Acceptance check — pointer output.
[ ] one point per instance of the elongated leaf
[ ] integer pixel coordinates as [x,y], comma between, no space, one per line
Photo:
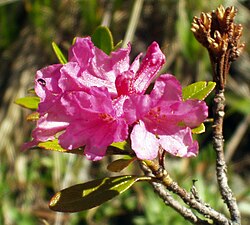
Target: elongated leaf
[118,45]
[59,53]
[119,164]
[200,129]
[29,102]
[74,40]
[55,146]
[91,194]
[103,39]
[199,90]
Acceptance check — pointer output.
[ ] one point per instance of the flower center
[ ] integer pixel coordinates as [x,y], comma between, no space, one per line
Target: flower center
[106,117]
[156,115]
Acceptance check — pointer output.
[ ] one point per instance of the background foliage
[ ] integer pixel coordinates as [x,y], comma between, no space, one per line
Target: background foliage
[28,180]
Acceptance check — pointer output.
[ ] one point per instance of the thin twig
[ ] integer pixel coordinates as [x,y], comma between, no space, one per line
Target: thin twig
[160,189]
[188,198]
[174,204]
[217,32]
[218,144]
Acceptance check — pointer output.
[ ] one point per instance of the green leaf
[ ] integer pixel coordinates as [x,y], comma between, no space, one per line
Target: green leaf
[55,146]
[199,90]
[119,164]
[91,194]
[120,145]
[118,45]
[33,116]
[31,91]
[29,102]
[103,39]
[74,40]
[59,53]
[200,129]
[52,145]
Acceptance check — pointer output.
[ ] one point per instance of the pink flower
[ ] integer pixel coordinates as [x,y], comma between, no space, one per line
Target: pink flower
[82,118]
[92,67]
[77,100]
[94,122]
[139,76]
[164,120]
[96,99]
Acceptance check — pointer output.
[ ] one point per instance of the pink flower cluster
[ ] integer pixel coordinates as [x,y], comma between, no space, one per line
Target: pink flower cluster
[96,99]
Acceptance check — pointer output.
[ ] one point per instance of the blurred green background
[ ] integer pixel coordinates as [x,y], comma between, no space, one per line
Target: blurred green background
[29,179]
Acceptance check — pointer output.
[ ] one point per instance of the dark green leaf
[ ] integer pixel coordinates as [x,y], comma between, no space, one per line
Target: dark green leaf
[119,164]
[103,39]
[91,194]
[29,102]
[59,53]
[199,90]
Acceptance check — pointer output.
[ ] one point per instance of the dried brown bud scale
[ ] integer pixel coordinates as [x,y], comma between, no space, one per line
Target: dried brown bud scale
[217,32]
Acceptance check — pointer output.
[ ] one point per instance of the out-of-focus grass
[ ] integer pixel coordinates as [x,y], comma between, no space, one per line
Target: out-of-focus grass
[29,179]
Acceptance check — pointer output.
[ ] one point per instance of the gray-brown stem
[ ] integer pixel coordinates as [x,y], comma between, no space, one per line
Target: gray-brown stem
[221,167]
[161,175]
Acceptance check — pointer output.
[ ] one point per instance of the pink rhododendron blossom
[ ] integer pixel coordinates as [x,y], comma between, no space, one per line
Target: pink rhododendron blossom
[138,77]
[62,87]
[164,114]
[84,118]
[96,99]
[96,68]
[93,122]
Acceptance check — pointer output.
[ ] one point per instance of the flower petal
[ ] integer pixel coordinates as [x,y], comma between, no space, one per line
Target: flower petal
[95,134]
[124,83]
[82,52]
[47,129]
[191,112]
[96,67]
[136,64]
[46,82]
[95,153]
[166,89]
[150,66]
[144,143]
[135,107]
[93,122]
[71,77]
[120,59]
[180,143]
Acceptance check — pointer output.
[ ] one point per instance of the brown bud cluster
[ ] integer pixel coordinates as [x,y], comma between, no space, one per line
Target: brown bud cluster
[218,33]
